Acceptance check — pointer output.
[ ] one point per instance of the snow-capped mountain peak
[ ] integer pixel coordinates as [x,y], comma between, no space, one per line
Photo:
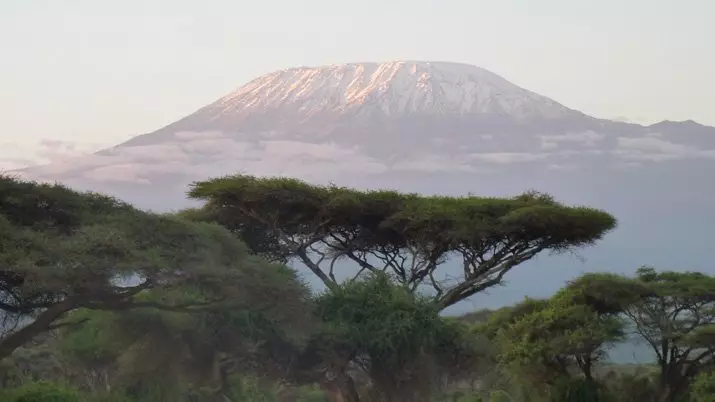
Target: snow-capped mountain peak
[395,88]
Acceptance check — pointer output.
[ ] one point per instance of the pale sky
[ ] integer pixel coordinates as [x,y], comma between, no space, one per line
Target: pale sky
[97,72]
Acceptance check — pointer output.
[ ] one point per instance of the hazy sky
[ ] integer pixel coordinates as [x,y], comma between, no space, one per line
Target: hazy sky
[98,72]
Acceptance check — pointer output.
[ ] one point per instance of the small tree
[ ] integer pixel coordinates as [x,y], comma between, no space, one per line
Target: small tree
[407,235]
[395,336]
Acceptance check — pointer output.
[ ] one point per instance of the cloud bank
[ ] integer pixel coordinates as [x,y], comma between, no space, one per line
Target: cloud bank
[199,155]
[21,154]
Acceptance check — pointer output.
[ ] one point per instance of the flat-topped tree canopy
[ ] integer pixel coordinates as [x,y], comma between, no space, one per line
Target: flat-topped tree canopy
[61,250]
[409,235]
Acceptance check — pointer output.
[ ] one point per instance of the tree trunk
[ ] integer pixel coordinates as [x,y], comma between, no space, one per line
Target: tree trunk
[41,324]
[673,383]
[672,391]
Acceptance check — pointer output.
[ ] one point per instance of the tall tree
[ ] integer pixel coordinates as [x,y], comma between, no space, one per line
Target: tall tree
[61,250]
[407,235]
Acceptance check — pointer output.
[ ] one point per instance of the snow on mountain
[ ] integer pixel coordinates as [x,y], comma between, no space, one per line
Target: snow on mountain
[356,104]
[393,88]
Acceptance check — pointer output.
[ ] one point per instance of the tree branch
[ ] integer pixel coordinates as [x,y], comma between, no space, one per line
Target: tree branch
[472,286]
[41,324]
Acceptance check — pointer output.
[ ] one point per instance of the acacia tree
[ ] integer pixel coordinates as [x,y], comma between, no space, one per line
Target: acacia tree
[672,312]
[407,235]
[62,250]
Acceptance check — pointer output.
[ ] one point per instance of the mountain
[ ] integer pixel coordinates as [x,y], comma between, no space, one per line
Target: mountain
[435,127]
[397,117]
[330,96]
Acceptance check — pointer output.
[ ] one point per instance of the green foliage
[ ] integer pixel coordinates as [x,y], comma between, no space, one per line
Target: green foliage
[703,389]
[174,349]
[386,321]
[500,396]
[31,363]
[43,391]
[397,334]
[115,396]
[576,390]
[255,236]
[63,250]
[407,234]
[209,318]
[94,343]
[671,312]
[198,296]
[605,293]
[544,343]
[631,384]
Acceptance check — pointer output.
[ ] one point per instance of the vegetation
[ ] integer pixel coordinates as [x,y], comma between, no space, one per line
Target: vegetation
[102,302]
[407,235]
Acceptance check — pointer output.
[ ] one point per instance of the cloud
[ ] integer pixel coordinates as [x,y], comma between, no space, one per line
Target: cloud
[21,153]
[504,158]
[191,135]
[12,163]
[56,150]
[117,173]
[565,167]
[584,138]
[657,150]
[549,146]
[195,157]
[436,163]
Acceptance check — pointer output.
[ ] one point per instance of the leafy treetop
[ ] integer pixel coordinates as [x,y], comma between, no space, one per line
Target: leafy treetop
[408,235]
